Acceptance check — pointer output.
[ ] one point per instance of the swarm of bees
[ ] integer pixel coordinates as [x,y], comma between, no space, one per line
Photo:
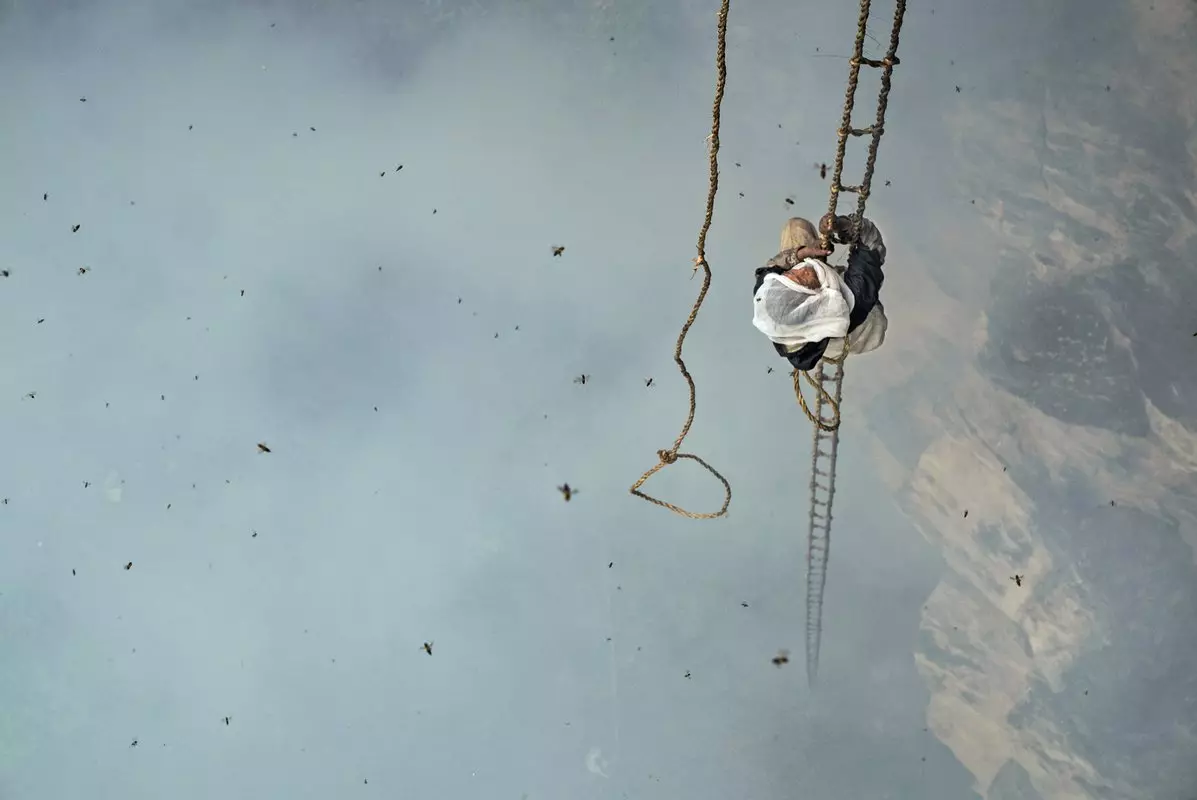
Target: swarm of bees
[566,491]
[262,448]
[557,249]
[782,658]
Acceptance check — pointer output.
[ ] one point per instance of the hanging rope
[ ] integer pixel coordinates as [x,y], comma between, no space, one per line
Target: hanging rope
[671,455]
[875,131]
[822,422]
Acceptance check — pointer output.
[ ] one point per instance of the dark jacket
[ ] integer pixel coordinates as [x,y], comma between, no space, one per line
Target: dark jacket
[863,276]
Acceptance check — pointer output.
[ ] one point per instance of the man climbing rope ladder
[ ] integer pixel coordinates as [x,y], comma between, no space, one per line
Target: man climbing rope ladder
[806,307]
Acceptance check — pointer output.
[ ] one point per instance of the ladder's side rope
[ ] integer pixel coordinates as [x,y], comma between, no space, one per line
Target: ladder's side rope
[819,533]
[874,131]
[672,455]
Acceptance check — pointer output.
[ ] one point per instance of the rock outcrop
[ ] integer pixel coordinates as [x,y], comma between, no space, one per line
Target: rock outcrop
[1071,438]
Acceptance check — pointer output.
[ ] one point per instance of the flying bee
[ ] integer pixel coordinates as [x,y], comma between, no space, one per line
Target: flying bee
[262,448]
[84,270]
[129,565]
[75,228]
[558,249]
[566,491]
[822,168]
[427,648]
[648,382]
[1017,579]
[782,657]
[581,379]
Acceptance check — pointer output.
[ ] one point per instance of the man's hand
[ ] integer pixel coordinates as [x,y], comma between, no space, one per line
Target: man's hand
[837,228]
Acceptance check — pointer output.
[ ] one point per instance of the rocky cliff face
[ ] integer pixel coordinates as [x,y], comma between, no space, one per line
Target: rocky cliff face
[1067,451]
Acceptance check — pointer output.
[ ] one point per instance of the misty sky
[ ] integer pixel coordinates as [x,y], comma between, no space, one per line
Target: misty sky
[326,227]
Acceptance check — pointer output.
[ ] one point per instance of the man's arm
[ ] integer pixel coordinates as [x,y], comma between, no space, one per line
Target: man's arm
[864,276]
[785,261]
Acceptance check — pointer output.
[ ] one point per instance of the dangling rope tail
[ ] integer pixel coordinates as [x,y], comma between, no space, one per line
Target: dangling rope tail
[672,455]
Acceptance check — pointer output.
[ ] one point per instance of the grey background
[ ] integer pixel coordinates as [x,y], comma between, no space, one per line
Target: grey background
[1038,373]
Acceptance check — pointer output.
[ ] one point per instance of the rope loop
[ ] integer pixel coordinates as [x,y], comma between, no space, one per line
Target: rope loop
[670,457]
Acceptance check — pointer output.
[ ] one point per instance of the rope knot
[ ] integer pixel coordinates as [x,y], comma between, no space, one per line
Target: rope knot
[667,456]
